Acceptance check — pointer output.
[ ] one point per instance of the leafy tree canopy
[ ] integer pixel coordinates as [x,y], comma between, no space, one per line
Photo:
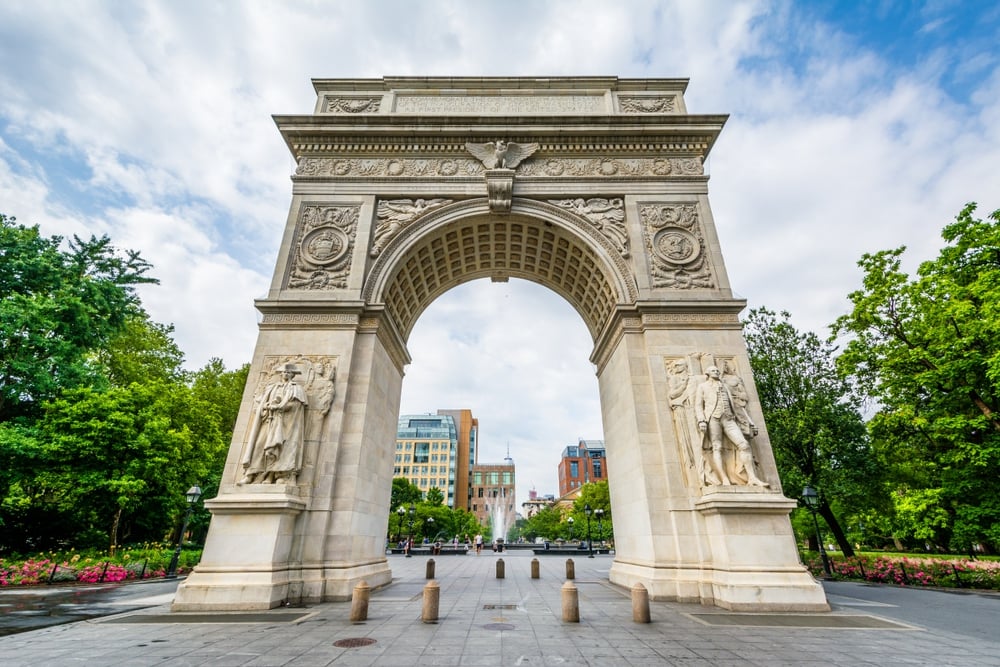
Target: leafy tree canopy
[928,349]
[813,418]
[56,306]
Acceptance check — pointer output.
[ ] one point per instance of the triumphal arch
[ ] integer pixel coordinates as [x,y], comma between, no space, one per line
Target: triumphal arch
[591,186]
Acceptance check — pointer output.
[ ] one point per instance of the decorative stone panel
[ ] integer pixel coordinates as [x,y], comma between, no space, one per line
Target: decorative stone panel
[352,104]
[322,249]
[676,246]
[647,104]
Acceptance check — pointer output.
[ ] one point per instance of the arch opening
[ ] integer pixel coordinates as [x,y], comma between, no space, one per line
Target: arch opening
[463,243]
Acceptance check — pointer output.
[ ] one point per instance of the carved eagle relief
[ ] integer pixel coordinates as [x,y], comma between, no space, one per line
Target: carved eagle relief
[501,154]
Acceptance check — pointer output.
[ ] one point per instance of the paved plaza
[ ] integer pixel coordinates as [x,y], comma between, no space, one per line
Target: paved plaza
[484,620]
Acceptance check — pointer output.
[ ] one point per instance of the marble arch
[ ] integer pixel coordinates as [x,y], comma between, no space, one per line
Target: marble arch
[591,186]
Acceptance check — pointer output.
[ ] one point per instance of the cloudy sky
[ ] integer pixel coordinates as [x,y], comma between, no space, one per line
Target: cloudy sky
[854,127]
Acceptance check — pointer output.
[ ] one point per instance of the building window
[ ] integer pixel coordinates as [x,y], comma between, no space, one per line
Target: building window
[574,468]
[506,478]
[421,452]
[480,492]
[597,468]
[478,477]
[494,478]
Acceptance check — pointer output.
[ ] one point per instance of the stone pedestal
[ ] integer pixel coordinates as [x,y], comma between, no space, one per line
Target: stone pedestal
[245,563]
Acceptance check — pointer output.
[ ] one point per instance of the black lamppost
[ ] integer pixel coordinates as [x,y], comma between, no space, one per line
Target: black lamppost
[409,539]
[430,521]
[570,522]
[590,543]
[811,499]
[401,512]
[599,513]
[192,495]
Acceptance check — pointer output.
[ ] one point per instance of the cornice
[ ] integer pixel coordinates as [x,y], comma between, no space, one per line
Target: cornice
[389,83]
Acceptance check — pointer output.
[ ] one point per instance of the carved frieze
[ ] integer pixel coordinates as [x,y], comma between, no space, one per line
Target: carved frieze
[352,104]
[613,167]
[325,235]
[646,104]
[394,214]
[309,318]
[326,167]
[392,167]
[675,245]
[606,215]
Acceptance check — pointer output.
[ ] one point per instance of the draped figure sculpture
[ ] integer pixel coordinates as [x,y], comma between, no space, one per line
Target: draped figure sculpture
[276,437]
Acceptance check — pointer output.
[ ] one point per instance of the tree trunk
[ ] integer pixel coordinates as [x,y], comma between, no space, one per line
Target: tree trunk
[114,532]
[838,533]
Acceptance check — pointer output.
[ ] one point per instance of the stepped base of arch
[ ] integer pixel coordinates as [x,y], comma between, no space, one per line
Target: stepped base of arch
[793,589]
[246,563]
[752,563]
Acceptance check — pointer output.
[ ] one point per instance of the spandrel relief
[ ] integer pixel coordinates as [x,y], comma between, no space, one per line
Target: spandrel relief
[708,403]
[322,252]
[675,246]
[395,214]
[606,215]
[293,397]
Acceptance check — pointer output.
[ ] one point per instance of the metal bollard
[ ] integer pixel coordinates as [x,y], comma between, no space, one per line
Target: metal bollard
[640,604]
[359,602]
[432,598]
[500,568]
[570,569]
[570,603]
[534,568]
[429,574]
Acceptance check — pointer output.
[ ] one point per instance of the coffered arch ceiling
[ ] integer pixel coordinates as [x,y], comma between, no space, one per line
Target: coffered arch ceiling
[464,241]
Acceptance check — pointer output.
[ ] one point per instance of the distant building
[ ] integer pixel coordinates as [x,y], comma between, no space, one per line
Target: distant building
[581,464]
[467,428]
[492,495]
[427,453]
[536,503]
[437,450]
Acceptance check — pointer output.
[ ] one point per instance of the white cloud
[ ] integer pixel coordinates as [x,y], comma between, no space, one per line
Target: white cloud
[160,112]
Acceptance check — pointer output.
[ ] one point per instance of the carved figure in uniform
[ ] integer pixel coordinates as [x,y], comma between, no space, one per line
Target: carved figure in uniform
[716,412]
[276,437]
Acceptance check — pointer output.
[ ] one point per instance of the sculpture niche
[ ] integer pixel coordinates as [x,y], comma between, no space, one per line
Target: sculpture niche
[277,436]
[710,410]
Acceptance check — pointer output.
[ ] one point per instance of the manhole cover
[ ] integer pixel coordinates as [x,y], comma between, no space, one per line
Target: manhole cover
[498,626]
[499,606]
[354,642]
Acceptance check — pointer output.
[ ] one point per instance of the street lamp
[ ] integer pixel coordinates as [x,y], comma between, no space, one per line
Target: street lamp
[409,538]
[401,511]
[430,520]
[811,499]
[192,495]
[570,522]
[599,513]
[590,543]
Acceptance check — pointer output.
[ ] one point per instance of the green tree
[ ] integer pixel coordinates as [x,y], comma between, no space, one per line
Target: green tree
[813,418]
[112,465]
[56,307]
[404,492]
[435,496]
[927,348]
[547,524]
[597,496]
